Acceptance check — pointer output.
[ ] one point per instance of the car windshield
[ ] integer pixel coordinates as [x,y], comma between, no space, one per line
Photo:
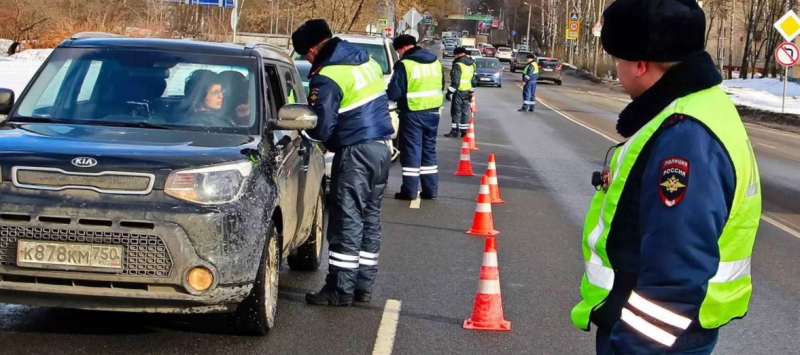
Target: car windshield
[375,51]
[487,63]
[449,46]
[548,62]
[504,49]
[474,53]
[142,88]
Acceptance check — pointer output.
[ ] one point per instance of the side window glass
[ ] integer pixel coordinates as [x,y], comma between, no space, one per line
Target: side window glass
[277,93]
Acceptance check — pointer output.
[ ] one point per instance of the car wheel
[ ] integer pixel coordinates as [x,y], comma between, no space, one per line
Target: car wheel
[308,256]
[256,314]
[558,82]
[499,86]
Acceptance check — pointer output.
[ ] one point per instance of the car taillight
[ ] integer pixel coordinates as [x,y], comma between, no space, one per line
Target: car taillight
[558,67]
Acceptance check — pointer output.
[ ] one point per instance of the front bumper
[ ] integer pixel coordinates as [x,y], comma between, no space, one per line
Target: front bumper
[489,80]
[161,243]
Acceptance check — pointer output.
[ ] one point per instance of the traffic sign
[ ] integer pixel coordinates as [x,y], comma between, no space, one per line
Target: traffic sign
[383,22]
[573,30]
[787,54]
[788,26]
[597,29]
[574,16]
[412,17]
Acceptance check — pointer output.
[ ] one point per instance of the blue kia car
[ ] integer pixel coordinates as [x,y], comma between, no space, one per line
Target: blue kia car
[489,71]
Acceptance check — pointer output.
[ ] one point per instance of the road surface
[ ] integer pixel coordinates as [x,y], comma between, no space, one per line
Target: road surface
[430,267]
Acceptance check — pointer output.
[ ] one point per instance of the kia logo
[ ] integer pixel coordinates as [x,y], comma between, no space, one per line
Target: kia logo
[83,162]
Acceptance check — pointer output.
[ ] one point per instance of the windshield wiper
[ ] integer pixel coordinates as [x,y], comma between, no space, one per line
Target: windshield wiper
[18,119]
[130,124]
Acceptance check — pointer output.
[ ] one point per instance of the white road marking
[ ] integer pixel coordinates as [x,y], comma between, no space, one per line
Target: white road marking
[388,328]
[767,219]
[767,145]
[415,203]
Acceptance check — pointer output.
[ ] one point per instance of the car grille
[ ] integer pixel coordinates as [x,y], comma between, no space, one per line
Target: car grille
[145,255]
[104,182]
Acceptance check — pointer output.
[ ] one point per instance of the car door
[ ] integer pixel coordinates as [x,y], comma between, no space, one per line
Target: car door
[309,176]
[288,161]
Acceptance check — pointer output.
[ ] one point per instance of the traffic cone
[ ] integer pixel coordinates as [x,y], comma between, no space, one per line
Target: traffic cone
[483,222]
[494,188]
[487,312]
[473,106]
[473,145]
[465,165]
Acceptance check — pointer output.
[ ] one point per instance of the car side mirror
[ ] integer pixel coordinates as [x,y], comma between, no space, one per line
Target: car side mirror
[6,102]
[296,117]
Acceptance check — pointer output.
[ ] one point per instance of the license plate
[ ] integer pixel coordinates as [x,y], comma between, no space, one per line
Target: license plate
[69,256]
[486,79]
[547,69]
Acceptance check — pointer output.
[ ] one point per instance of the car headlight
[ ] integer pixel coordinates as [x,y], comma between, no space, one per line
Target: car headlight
[496,75]
[210,185]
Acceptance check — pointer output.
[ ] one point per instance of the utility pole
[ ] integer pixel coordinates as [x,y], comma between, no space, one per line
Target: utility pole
[600,5]
[528,33]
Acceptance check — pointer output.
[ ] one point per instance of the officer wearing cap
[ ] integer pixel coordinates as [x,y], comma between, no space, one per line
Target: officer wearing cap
[347,92]
[669,235]
[418,88]
[529,76]
[461,90]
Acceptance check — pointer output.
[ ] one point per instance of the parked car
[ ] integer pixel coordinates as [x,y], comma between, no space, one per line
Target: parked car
[127,187]
[474,53]
[549,69]
[448,51]
[488,50]
[520,61]
[504,54]
[488,71]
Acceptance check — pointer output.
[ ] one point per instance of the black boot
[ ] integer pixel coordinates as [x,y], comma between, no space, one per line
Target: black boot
[427,196]
[404,197]
[363,296]
[453,133]
[522,110]
[329,297]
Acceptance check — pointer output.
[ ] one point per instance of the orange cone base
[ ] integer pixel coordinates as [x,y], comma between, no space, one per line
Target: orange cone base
[503,325]
[490,233]
[474,148]
[464,173]
[498,201]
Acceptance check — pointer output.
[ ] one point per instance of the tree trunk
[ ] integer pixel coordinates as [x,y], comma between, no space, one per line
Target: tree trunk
[355,15]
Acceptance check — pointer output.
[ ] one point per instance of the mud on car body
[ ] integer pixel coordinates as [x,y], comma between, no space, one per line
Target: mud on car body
[153,175]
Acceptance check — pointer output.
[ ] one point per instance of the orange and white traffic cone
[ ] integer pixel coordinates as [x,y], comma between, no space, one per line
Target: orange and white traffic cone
[494,188]
[473,145]
[487,312]
[464,165]
[483,221]
[473,106]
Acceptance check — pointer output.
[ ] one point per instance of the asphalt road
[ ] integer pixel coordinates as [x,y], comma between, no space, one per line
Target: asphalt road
[431,267]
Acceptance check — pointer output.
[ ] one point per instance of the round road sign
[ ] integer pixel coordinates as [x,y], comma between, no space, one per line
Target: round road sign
[573,26]
[787,54]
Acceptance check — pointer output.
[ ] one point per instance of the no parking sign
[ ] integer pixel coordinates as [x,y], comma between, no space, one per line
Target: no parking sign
[787,54]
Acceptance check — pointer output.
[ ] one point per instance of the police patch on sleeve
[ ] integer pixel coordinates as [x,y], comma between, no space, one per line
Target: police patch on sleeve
[313,96]
[674,180]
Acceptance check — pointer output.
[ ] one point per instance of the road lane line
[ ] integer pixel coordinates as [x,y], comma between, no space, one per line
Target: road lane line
[767,145]
[387,329]
[769,220]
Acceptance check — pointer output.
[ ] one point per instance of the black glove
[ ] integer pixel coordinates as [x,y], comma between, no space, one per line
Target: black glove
[448,96]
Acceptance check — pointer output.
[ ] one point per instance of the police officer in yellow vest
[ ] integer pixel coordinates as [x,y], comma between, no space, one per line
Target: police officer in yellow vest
[669,235]
[347,92]
[461,90]
[530,74]
[418,88]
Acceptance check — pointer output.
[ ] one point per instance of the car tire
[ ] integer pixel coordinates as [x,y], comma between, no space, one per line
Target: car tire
[256,314]
[499,86]
[558,82]
[308,256]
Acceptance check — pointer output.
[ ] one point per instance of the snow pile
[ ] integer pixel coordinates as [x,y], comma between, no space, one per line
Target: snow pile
[763,94]
[38,55]
[15,74]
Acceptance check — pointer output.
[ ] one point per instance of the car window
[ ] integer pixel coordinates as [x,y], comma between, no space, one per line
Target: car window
[522,55]
[290,94]
[487,63]
[375,51]
[548,62]
[504,49]
[183,91]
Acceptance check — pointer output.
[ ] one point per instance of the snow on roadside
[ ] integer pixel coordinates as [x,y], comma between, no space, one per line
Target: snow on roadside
[763,94]
[38,55]
[15,74]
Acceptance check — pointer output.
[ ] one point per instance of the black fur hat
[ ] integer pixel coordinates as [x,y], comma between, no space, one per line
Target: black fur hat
[653,30]
[459,50]
[310,34]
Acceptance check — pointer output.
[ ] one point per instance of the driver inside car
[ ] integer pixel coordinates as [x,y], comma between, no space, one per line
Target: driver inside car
[206,96]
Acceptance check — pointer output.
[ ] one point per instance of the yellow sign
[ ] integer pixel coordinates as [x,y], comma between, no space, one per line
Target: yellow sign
[383,23]
[788,26]
[573,29]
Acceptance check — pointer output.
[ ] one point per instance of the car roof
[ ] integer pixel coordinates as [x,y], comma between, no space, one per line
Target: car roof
[490,59]
[177,45]
[362,39]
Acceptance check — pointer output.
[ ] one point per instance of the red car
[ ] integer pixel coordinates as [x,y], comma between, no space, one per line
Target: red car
[488,50]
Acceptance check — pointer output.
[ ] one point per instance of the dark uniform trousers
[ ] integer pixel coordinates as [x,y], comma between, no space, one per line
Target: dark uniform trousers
[459,111]
[418,152]
[359,175]
[694,341]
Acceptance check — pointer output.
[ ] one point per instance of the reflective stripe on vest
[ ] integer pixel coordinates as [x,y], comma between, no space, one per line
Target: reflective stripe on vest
[467,73]
[729,291]
[360,84]
[531,69]
[424,85]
